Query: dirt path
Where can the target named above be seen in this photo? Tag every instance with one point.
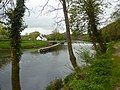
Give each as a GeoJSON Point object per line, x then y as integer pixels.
{"type": "Point", "coordinates": [117, 47]}
{"type": "Point", "coordinates": [117, 53]}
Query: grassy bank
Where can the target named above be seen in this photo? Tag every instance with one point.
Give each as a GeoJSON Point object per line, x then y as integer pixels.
{"type": "Point", "coordinates": [102, 74]}
{"type": "Point", "coordinates": [25, 44]}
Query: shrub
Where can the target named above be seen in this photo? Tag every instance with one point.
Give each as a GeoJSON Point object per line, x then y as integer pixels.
{"type": "Point", "coordinates": [55, 85]}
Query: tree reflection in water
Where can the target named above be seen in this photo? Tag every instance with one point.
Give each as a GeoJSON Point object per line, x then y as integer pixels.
{"type": "Point", "coordinates": [15, 76]}
{"type": "Point", "coordinates": [4, 58]}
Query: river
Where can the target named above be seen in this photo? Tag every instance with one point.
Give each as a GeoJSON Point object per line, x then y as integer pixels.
{"type": "Point", "coordinates": [38, 70]}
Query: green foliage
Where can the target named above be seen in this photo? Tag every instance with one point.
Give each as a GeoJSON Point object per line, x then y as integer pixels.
{"type": "Point", "coordinates": [76, 35]}
{"type": "Point", "coordinates": [85, 38]}
{"type": "Point", "coordinates": [85, 55]}
{"type": "Point", "coordinates": [15, 26]}
{"type": "Point", "coordinates": [25, 37]}
{"type": "Point", "coordinates": [84, 17]}
{"type": "Point", "coordinates": [112, 31]}
{"type": "Point", "coordinates": [98, 77]}
{"type": "Point", "coordinates": [110, 48]}
{"type": "Point", "coordinates": [69, 78]}
{"type": "Point", "coordinates": [56, 36]}
{"type": "Point", "coordinates": [34, 35]}
{"type": "Point", "coordinates": [80, 12]}
{"type": "Point", "coordinates": [102, 74]}
{"type": "Point", "coordinates": [55, 85]}
{"type": "Point", "coordinates": [3, 33]}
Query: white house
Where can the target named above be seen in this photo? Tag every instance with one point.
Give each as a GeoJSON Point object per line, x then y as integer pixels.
{"type": "Point", "coordinates": [41, 38]}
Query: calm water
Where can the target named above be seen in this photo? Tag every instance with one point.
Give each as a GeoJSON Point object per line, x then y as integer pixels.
{"type": "Point", "coordinates": [38, 70]}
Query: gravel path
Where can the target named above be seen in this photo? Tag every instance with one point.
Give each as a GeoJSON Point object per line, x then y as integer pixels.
{"type": "Point", "coordinates": [117, 47]}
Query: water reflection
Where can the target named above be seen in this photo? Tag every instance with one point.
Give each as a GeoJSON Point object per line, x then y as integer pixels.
{"type": "Point", "coordinates": [15, 76]}
{"type": "Point", "coordinates": [57, 51]}
{"type": "Point", "coordinates": [4, 62]}
{"type": "Point", "coordinates": [4, 58]}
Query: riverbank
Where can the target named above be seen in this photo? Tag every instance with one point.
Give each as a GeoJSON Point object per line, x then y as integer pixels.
{"type": "Point", "coordinates": [25, 44]}
{"type": "Point", "coordinates": [102, 74]}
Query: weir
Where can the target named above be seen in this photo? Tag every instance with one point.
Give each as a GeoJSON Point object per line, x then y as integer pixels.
{"type": "Point", "coordinates": [46, 49]}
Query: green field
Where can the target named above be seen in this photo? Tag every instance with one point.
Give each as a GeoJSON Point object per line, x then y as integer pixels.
{"type": "Point", "coordinates": [25, 44]}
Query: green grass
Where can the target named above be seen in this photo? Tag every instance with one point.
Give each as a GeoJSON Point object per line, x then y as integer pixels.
{"type": "Point", "coordinates": [4, 44]}
{"type": "Point", "coordinates": [34, 44]}
{"type": "Point", "coordinates": [24, 44]}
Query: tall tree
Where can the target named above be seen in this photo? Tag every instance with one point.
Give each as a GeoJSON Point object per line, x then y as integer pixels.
{"type": "Point", "coordinates": [68, 37]}
{"type": "Point", "coordinates": [89, 11]}
{"type": "Point", "coordinates": [15, 27]}
{"type": "Point", "coordinates": [92, 9]}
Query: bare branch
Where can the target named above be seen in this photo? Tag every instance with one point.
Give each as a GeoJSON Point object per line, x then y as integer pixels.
{"type": "Point", "coordinates": [53, 10]}
{"type": "Point", "coordinates": [43, 8]}
{"type": "Point", "coordinates": [4, 6]}
{"type": "Point", "coordinates": [28, 10]}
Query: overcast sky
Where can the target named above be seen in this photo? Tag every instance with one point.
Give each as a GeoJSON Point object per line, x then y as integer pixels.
{"type": "Point", "coordinates": [44, 23]}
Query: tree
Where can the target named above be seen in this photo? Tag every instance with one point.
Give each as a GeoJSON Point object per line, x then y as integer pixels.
{"type": "Point", "coordinates": [112, 31]}
{"type": "Point", "coordinates": [68, 37]}
{"type": "Point", "coordinates": [76, 34]}
{"type": "Point", "coordinates": [15, 23]}
{"type": "Point", "coordinates": [3, 33]}
{"type": "Point", "coordinates": [34, 35]}
{"type": "Point", "coordinates": [55, 35]}
{"type": "Point", "coordinates": [88, 11]}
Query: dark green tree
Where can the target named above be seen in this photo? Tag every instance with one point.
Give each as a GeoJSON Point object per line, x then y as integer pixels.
{"type": "Point", "coordinates": [55, 35]}
{"type": "Point", "coordinates": [88, 12]}
{"type": "Point", "coordinates": [15, 22]}
{"type": "Point", "coordinates": [34, 35]}
{"type": "Point", "coordinates": [111, 31]}
{"type": "Point", "coordinates": [3, 33]}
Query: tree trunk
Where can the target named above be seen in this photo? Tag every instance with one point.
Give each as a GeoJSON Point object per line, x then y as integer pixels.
{"type": "Point", "coordinates": [92, 39]}
{"type": "Point", "coordinates": [95, 34]}
{"type": "Point", "coordinates": [15, 71]}
{"type": "Point", "coordinates": [16, 56]}
{"type": "Point", "coordinates": [15, 20]}
{"type": "Point", "coordinates": [68, 37]}
{"type": "Point", "coordinates": [98, 37]}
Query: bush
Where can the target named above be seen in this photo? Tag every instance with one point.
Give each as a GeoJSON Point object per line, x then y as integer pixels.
{"type": "Point", "coordinates": [55, 85]}
{"type": "Point", "coordinates": [97, 77]}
